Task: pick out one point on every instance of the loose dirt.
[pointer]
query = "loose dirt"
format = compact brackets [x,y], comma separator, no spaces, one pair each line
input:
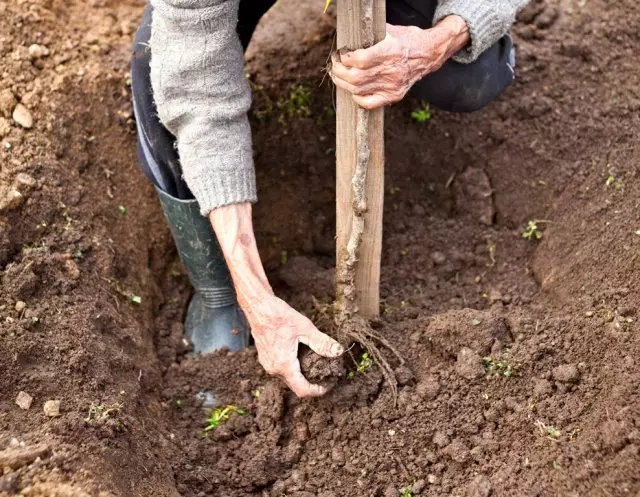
[521,356]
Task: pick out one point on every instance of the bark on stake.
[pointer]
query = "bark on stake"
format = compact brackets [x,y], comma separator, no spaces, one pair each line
[360,192]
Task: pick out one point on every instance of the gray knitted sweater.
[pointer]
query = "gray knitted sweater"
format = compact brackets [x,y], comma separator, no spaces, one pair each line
[202,96]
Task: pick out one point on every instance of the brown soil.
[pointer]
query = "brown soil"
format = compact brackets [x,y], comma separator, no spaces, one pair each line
[555,411]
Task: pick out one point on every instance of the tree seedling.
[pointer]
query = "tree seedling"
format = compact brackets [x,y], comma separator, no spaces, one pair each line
[423,114]
[220,415]
[361,367]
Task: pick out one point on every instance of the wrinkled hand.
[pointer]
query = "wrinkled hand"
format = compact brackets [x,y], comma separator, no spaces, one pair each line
[277,330]
[384,73]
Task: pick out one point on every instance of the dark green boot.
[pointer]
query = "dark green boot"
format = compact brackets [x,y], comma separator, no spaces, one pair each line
[214,319]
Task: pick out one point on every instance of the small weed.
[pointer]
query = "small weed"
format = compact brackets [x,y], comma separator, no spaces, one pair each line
[406,492]
[136,299]
[611,180]
[122,209]
[549,430]
[361,366]
[284,257]
[491,248]
[501,365]
[220,415]
[102,412]
[178,404]
[297,104]
[78,255]
[68,219]
[532,232]
[255,393]
[423,114]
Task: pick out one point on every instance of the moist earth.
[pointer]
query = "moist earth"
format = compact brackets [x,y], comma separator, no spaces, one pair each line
[520,373]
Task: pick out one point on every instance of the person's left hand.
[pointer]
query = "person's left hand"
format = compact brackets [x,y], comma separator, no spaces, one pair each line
[384,73]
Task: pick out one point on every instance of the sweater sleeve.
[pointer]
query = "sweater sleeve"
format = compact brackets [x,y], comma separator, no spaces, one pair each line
[202,97]
[488,21]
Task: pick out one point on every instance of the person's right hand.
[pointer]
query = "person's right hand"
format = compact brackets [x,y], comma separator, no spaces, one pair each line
[277,330]
[276,327]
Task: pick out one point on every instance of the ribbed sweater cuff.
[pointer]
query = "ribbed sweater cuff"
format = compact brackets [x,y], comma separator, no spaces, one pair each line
[215,188]
[482,23]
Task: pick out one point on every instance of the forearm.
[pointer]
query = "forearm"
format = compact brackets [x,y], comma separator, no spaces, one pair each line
[202,97]
[233,226]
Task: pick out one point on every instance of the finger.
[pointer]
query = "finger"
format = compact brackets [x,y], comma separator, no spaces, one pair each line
[320,343]
[366,58]
[353,75]
[345,85]
[374,101]
[301,386]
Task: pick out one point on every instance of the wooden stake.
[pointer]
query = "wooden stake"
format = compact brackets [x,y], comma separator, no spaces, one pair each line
[361,23]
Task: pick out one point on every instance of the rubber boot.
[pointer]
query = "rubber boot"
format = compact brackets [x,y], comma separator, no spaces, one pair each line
[214,320]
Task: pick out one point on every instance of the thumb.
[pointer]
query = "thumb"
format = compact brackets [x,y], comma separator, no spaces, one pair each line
[320,343]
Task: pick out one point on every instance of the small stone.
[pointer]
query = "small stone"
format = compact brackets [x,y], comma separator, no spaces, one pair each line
[440,439]
[7,103]
[469,364]
[5,127]
[589,314]
[25,180]
[566,373]
[404,375]
[52,408]
[37,51]
[542,387]
[418,487]
[22,116]
[480,487]
[12,200]
[391,491]
[432,479]
[24,400]
[429,387]
[20,305]
[438,258]
[72,269]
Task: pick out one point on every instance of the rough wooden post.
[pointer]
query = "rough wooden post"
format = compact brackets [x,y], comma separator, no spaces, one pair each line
[356,31]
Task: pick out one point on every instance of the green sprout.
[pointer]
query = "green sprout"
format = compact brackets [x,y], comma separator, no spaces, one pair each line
[362,366]
[532,231]
[423,114]
[101,412]
[613,181]
[297,104]
[220,415]
[501,365]
[406,492]
[136,299]
[122,209]
[178,403]
[550,430]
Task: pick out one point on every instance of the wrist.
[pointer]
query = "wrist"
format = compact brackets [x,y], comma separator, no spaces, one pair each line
[453,30]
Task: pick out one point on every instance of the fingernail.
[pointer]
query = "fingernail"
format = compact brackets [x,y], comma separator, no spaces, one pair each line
[337,349]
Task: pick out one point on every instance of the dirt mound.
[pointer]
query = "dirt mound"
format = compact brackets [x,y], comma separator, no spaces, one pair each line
[521,354]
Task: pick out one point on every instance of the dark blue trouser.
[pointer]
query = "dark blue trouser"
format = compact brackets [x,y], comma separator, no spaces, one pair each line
[454,87]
